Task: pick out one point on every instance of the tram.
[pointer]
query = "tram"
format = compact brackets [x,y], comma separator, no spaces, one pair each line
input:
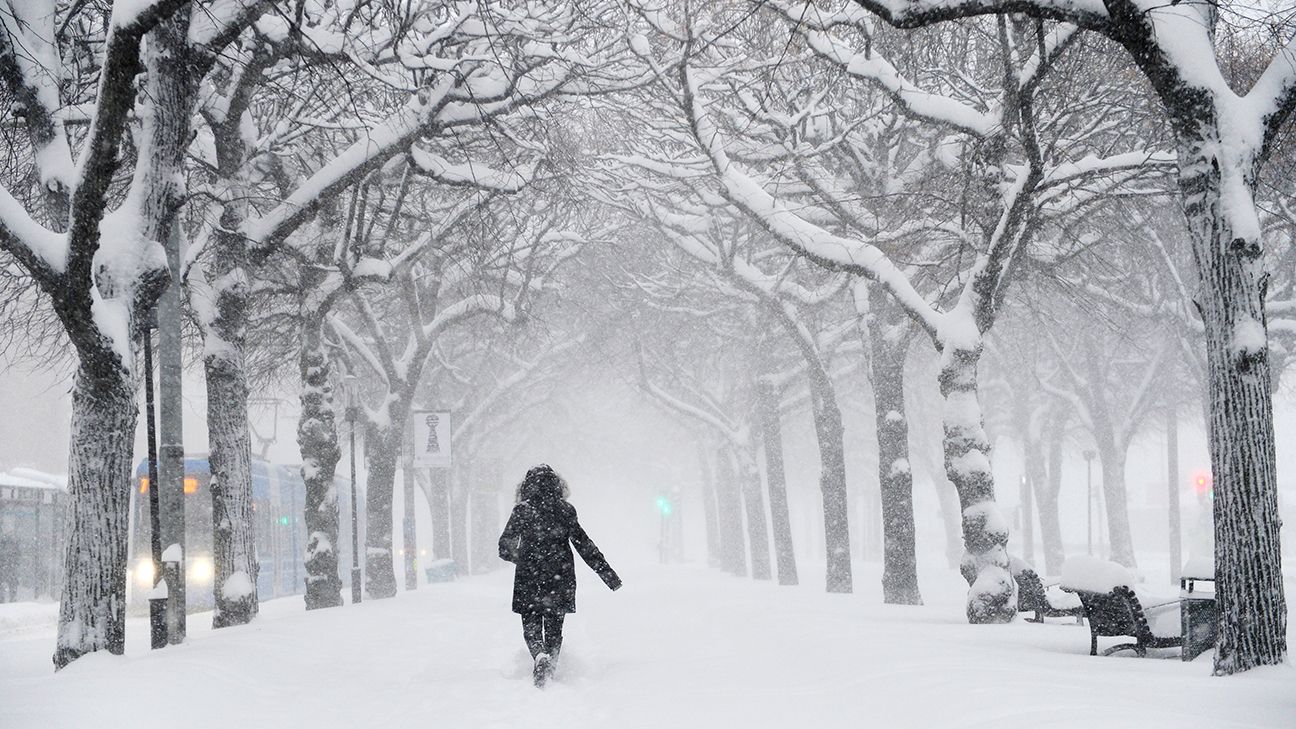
[278,499]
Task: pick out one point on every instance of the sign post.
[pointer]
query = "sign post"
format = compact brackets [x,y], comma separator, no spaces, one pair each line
[430,448]
[431,439]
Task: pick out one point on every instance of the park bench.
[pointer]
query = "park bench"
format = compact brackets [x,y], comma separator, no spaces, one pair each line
[1119,613]
[1032,596]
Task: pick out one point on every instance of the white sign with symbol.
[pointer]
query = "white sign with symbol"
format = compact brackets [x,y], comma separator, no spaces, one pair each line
[431,439]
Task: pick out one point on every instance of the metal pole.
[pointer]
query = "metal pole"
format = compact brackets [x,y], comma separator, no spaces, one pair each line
[157,606]
[355,521]
[171,474]
[1088,456]
[661,539]
[1028,521]
[407,520]
[1172,481]
[677,526]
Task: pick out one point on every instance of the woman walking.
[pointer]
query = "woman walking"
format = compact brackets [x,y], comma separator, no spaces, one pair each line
[538,538]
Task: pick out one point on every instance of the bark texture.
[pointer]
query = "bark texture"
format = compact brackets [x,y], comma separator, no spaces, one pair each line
[1112,452]
[1041,469]
[772,437]
[733,547]
[383,448]
[92,604]
[895,476]
[709,509]
[758,542]
[459,498]
[317,439]
[225,340]
[992,594]
[230,459]
[1227,248]
[439,504]
[92,610]
[832,483]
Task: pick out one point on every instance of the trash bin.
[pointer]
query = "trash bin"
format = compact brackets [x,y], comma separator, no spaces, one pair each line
[1198,616]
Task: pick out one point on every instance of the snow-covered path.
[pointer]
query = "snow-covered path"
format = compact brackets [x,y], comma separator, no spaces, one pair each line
[677,647]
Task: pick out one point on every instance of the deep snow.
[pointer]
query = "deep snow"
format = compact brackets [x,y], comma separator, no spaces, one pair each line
[678,646]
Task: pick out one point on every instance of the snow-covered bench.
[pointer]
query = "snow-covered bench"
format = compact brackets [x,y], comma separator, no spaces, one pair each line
[1033,595]
[1112,608]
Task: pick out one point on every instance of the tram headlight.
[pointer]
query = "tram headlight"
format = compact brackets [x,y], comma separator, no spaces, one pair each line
[144,572]
[202,570]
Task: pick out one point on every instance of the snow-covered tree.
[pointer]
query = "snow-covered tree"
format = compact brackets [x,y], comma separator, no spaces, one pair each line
[93,240]
[426,73]
[391,334]
[727,249]
[1012,184]
[1225,136]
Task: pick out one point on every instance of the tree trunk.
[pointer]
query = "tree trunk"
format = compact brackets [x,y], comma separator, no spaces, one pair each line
[230,459]
[92,610]
[485,517]
[832,459]
[409,540]
[709,508]
[1046,478]
[459,491]
[1112,454]
[758,542]
[439,505]
[224,340]
[992,593]
[832,484]
[317,439]
[733,548]
[173,83]
[1120,544]
[1218,198]
[383,448]
[895,477]
[772,435]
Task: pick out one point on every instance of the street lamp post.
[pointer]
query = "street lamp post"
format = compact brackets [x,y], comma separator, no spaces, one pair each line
[352,408]
[1089,492]
[157,603]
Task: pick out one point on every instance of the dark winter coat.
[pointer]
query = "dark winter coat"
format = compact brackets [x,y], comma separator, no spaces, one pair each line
[538,539]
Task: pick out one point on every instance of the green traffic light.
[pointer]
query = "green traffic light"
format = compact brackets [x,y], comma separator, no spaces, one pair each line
[664,505]
[283,521]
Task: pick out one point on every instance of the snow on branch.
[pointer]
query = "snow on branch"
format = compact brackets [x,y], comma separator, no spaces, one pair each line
[872,66]
[503,388]
[919,13]
[42,251]
[467,308]
[31,62]
[356,344]
[790,228]
[1274,95]
[713,420]
[471,173]
[372,150]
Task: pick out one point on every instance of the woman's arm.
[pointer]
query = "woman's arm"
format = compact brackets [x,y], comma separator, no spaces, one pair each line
[510,542]
[590,553]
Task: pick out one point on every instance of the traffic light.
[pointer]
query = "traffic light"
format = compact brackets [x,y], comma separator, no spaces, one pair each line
[1203,484]
[283,521]
[664,505]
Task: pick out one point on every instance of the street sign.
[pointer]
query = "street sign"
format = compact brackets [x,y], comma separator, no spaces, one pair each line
[431,439]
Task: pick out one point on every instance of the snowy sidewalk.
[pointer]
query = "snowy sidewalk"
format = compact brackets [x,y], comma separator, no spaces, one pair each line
[677,647]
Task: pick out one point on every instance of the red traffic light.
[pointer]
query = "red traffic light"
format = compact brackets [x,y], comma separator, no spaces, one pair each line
[1202,483]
